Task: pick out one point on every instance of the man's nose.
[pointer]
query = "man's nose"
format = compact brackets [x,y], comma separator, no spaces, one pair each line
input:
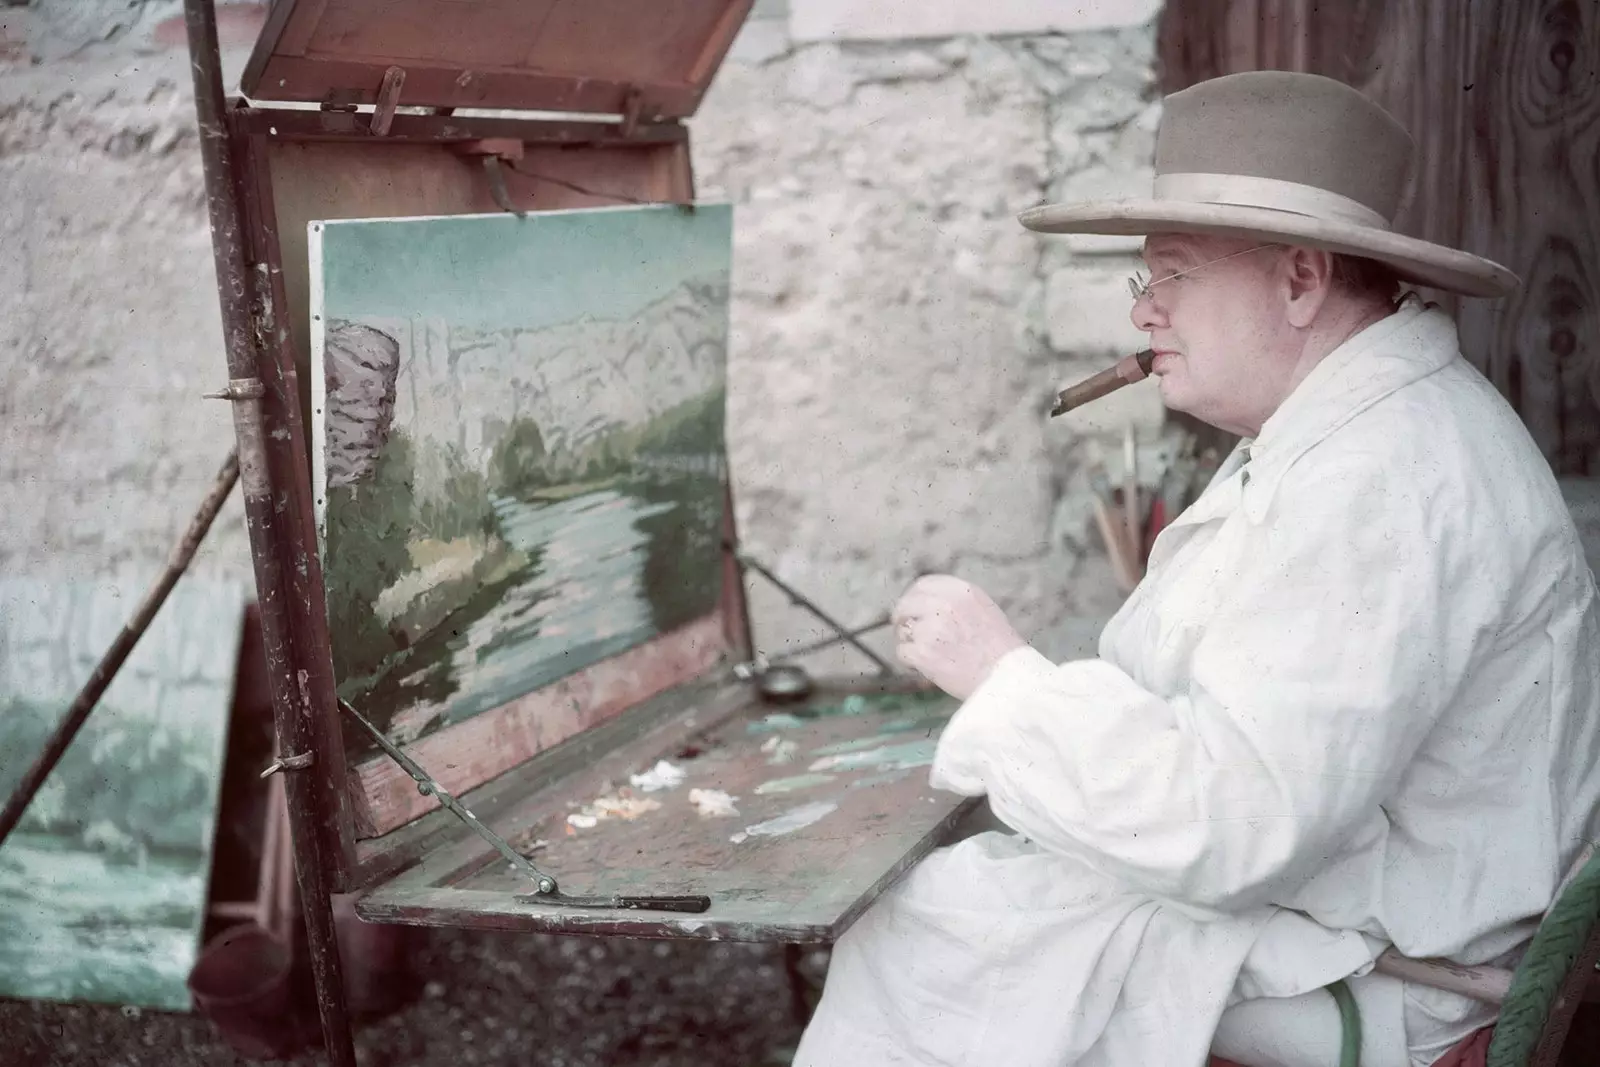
[1145,314]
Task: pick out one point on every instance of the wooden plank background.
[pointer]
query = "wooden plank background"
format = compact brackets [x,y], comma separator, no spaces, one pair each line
[1503,99]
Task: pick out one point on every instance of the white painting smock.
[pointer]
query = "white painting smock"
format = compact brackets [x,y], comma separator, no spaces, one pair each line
[1352,704]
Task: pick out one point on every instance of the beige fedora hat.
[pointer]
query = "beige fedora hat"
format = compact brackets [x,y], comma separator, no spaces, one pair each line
[1286,157]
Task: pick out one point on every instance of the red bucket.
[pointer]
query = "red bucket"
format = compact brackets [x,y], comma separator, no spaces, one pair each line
[241,982]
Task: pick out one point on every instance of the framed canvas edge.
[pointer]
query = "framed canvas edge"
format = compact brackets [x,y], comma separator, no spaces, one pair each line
[481,216]
[358,791]
[317,446]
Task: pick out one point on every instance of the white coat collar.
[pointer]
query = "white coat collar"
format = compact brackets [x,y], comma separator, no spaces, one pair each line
[1407,346]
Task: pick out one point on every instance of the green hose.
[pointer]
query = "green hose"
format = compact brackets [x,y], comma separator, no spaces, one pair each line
[1349,1025]
[1554,950]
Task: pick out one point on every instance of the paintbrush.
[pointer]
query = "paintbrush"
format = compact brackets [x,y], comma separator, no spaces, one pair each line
[1125,371]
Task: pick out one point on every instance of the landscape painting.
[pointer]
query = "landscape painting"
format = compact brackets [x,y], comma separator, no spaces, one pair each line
[520,460]
[104,882]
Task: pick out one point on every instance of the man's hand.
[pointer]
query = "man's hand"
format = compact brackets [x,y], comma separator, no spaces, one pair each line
[951,633]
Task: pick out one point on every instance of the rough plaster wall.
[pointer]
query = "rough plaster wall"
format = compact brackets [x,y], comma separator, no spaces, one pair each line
[109,325]
[897,336]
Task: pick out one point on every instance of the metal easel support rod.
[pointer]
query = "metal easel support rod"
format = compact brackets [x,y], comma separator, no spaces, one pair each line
[120,649]
[245,394]
[799,600]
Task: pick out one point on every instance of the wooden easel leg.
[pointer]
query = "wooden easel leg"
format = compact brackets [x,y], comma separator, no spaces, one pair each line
[245,391]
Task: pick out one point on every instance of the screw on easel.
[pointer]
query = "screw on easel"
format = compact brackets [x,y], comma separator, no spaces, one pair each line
[239,389]
[298,762]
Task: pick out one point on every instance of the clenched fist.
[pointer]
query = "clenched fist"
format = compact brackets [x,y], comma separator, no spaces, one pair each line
[951,633]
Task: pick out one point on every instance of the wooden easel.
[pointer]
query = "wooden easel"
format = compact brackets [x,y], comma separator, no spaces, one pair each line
[358,823]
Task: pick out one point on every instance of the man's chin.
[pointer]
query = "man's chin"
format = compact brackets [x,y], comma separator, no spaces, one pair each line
[1172,392]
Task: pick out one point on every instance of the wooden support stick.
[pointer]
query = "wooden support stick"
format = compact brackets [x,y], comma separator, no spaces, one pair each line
[291,702]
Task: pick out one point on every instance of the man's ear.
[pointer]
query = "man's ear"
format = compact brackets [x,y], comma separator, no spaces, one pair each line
[1308,273]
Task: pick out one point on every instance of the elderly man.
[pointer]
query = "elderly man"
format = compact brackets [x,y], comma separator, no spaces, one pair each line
[1354,703]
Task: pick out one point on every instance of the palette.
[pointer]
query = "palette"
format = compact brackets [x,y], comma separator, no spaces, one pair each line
[830,803]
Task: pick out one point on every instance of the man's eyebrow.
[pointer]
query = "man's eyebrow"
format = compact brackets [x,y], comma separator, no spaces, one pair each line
[1165,259]
[1177,253]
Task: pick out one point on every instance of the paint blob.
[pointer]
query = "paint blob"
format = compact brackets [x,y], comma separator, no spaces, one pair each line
[887,758]
[790,785]
[662,776]
[713,803]
[787,823]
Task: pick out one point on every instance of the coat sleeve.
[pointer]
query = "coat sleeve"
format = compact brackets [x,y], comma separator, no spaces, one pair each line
[1314,684]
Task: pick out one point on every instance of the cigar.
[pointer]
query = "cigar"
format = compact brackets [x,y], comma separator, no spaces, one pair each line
[1128,369]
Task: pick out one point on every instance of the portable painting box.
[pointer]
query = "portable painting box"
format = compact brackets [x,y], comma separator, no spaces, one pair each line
[654,770]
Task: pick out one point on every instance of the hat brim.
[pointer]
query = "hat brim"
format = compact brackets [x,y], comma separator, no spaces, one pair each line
[1414,260]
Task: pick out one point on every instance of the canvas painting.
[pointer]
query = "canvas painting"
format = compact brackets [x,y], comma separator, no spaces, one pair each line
[104,883]
[519,463]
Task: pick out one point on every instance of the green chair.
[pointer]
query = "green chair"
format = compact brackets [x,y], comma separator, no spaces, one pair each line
[1538,999]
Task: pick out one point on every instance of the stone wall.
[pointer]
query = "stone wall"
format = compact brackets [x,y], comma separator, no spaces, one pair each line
[897,335]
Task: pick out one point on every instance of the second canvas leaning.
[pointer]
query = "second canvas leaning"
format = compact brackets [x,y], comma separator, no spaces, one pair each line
[519,466]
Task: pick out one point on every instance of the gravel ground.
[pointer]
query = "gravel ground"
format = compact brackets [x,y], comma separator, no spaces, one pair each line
[490,999]
[533,1001]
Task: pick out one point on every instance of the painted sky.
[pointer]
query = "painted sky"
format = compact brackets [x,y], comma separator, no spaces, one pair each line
[538,270]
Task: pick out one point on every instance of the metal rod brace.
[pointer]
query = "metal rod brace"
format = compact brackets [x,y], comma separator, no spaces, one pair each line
[795,597]
[548,892]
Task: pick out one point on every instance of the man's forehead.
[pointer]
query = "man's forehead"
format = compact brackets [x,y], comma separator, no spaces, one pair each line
[1188,249]
[1169,246]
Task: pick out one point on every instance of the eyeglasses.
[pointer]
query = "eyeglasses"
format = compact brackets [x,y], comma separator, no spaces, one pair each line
[1140,288]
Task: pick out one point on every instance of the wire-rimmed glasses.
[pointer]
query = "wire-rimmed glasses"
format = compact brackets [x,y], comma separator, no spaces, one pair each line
[1140,287]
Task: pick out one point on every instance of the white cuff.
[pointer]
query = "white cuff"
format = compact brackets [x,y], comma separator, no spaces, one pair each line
[957,763]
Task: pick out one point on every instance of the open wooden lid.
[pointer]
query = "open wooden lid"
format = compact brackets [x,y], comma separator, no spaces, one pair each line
[650,58]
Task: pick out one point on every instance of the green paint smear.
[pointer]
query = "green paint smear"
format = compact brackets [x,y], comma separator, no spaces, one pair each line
[790,785]
[879,779]
[912,724]
[853,746]
[887,758]
[913,710]
[770,724]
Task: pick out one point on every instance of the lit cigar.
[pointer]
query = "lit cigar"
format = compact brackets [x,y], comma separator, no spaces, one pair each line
[1128,369]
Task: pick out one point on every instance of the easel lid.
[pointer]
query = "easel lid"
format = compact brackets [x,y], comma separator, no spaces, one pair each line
[643,59]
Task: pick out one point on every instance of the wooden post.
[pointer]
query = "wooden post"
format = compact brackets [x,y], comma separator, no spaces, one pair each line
[245,392]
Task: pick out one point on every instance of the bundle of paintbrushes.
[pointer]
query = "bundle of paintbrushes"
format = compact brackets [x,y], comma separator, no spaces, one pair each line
[1131,515]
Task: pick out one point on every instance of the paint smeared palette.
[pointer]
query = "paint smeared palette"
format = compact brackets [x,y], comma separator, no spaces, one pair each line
[791,821]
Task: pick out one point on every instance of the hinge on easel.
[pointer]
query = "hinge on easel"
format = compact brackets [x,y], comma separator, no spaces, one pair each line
[632,108]
[388,99]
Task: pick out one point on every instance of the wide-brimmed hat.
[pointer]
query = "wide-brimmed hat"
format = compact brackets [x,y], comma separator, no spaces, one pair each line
[1289,158]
